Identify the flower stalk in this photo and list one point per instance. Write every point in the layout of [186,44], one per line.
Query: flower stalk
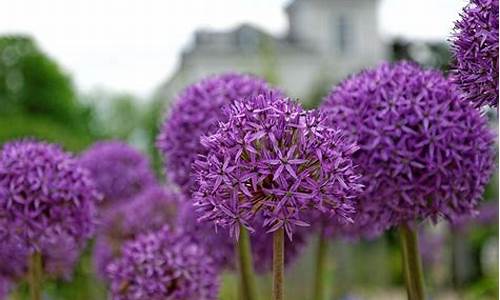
[278,264]
[247,278]
[321,251]
[35,276]
[412,264]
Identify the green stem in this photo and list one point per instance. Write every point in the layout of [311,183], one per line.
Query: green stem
[278,264]
[247,278]
[35,276]
[412,264]
[321,251]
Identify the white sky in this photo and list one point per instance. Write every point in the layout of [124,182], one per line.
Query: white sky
[134,45]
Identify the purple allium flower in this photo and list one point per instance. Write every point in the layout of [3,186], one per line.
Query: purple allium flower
[217,244]
[272,160]
[45,196]
[119,171]
[163,265]
[424,153]
[475,47]
[150,210]
[196,112]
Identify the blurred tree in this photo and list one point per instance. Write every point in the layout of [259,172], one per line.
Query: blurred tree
[429,54]
[37,98]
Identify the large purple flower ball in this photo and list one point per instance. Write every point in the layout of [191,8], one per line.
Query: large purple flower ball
[196,112]
[273,160]
[45,195]
[163,265]
[424,153]
[475,47]
[119,171]
[150,210]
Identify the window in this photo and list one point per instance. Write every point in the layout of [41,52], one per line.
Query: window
[343,33]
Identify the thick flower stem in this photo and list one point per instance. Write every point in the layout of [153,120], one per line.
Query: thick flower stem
[278,264]
[35,275]
[247,278]
[412,264]
[321,251]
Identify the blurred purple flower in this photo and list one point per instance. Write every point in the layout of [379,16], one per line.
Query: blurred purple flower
[274,161]
[217,244]
[150,210]
[119,171]
[196,112]
[424,153]
[431,245]
[6,286]
[486,215]
[475,47]
[45,196]
[163,265]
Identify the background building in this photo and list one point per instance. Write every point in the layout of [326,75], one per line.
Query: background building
[326,41]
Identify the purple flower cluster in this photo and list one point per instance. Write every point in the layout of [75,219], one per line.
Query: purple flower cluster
[163,265]
[196,112]
[45,196]
[148,211]
[424,153]
[475,47]
[273,160]
[119,171]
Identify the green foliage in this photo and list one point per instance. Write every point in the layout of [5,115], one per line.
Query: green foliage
[33,84]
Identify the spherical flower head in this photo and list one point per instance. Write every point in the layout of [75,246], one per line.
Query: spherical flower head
[45,195]
[196,112]
[217,244]
[119,171]
[475,49]
[272,159]
[150,210]
[424,153]
[163,265]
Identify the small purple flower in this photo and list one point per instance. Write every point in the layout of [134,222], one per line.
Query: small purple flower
[45,196]
[273,160]
[119,171]
[163,265]
[475,47]
[424,153]
[150,210]
[196,112]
